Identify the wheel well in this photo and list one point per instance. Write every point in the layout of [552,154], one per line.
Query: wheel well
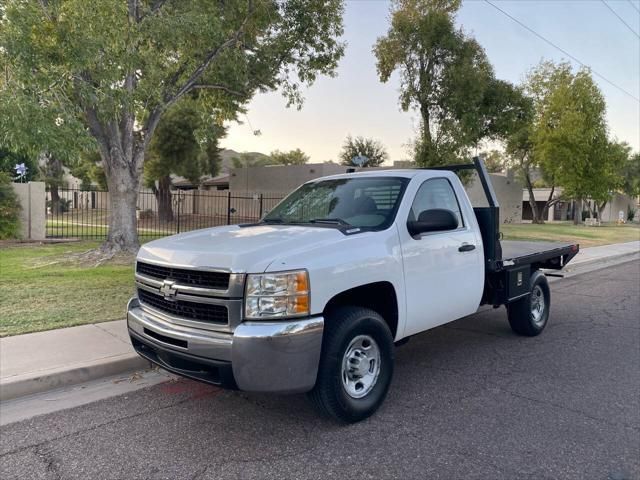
[379,296]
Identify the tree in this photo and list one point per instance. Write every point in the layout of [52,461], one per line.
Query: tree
[494,160]
[630,174]
[563,139]
[369,148]
[570,134]
[292,157]
[521,157]
[617,155]
[176,149]
[447,77]
[104,76]
[538,86]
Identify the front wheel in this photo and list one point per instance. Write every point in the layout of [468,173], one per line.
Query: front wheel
[356,365]
[529,315]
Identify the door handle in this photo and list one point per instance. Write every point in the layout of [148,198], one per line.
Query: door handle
[466,247]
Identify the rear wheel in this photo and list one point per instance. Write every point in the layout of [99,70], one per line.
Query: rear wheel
[529,315]
[356,365]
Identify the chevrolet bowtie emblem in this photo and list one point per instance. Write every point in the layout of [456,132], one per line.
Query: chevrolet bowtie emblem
[167,290]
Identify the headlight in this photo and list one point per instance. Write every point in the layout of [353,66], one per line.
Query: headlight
[283,294]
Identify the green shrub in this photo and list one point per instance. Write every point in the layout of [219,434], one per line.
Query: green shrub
[631,213]
[9,209]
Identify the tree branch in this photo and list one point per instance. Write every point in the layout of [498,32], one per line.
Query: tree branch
[127,121]
[204,86]
[133,10]
[98,133]
[149,127]
[209,57]
[169,99]
[197,73]
[553,188]
[155,7]
[45,5]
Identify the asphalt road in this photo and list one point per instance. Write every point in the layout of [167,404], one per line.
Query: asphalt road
[469,400]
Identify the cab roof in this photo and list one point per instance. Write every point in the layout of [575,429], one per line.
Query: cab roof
[404,172]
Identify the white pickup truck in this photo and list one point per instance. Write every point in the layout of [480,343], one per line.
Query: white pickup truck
[316,295]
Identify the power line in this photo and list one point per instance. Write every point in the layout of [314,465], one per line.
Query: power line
[563,51]
[634,5]
[620,18]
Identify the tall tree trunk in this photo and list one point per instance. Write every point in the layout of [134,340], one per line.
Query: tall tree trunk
[532,199]
[124,184]
[53,173]
[163,197]
[550,201]
[55,199]
[601,209]
[122,151]
[427,158]
[577,217]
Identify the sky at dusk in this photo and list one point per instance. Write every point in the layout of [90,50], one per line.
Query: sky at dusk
[355,102]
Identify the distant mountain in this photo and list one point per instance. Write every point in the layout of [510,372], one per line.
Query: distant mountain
[227,158]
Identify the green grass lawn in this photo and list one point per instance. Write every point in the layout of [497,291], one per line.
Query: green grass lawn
[64,229]
[567,232]
[43,288]
[70,229]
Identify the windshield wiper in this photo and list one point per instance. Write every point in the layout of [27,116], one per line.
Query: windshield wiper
[334,221]
[273,220]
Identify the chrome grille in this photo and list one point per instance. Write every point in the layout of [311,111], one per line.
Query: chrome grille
[203,312]
[206,298]
[194,278]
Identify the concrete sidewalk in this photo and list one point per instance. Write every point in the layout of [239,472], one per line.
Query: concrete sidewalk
[38,362]
[606,252]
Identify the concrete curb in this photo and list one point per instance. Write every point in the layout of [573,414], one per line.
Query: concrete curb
[23,385]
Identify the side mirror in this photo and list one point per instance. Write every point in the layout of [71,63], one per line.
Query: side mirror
[433,220]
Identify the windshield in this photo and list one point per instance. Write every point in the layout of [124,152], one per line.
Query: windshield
[365,202]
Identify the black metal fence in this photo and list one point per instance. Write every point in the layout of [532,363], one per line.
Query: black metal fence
[79,213]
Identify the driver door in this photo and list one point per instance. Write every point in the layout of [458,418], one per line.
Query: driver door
[444,270]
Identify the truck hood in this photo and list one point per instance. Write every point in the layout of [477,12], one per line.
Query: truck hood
[239,249]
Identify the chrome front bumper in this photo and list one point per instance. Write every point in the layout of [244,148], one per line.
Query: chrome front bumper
[280,356]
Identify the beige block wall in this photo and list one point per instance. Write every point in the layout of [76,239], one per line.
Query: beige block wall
[508,191]
[618,203]
[33,213]
[279,179]
[244,204]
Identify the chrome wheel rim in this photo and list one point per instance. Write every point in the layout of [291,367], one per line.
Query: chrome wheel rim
[360,366]
[537,305]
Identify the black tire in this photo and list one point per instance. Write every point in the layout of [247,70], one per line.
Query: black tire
[521,315]
[342,327]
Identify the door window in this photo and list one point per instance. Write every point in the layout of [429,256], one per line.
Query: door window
[436,193]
